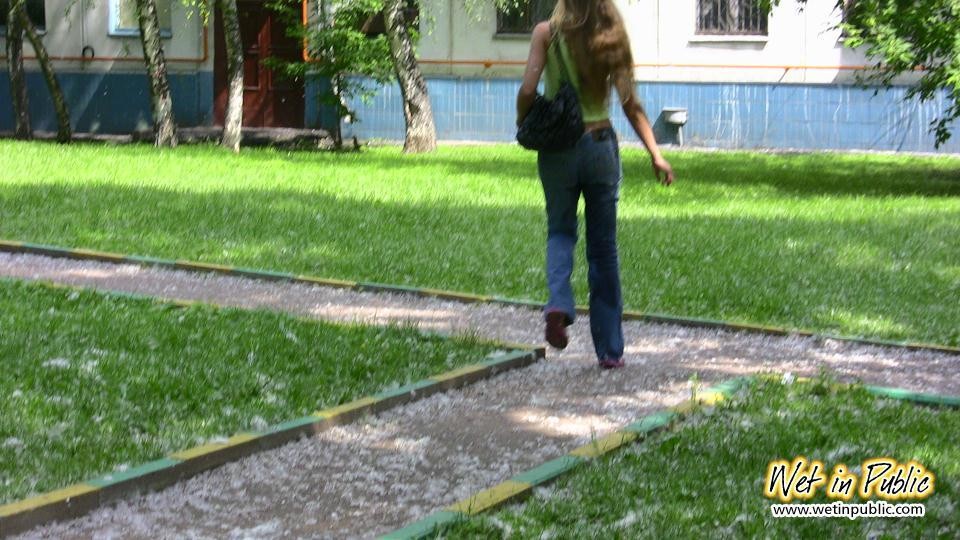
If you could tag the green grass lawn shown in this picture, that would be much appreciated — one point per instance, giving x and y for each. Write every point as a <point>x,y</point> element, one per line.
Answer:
<point>704,478</point>
<point>92,382</point>
<point>852,244</point>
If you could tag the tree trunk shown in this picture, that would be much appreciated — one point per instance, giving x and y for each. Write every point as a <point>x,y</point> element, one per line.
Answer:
<point>233,121</point>
<point>421,133</point>
<point>164,129</point>
<point>336,83</point>
<point>64,132</point>
<point>18,83</point>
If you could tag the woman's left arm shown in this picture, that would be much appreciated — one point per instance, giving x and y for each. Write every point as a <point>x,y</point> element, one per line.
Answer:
<point>536,61</point>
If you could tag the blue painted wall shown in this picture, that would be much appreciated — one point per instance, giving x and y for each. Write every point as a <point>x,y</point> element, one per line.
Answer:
<point>316,113</point>
<point>111,102</point>
<point>725,115</point>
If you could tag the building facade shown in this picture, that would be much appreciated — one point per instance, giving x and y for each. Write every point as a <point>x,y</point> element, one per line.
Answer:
<point>745,79</point>
<point>96,51</point>
<point>95,47</point>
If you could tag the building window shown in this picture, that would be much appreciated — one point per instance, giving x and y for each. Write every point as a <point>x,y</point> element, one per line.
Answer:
<point>35,10</point>
<point>522,17</point>
<point>731,17</point>
<point>124,21</point>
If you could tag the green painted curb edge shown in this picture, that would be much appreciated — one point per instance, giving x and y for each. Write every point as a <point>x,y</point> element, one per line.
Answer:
<point>546,473</point>
<point>79,499</point>
<point>21,516</point>
<point>920,398</point>
<point>175,303</point>
<point>552,470</point>
<point>81,254</point>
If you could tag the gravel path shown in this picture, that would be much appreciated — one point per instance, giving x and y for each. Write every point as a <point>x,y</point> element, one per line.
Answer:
<point>378,474</point>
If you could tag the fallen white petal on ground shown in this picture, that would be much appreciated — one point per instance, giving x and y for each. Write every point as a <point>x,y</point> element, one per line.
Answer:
<point>377,474</point>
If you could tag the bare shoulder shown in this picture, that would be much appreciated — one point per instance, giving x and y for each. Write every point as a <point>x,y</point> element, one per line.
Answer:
<point>541,32</point>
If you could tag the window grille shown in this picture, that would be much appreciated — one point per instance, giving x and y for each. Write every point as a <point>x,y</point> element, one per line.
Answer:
<point>521,18</point>
<point>35,10</point>
<point>731,17</point>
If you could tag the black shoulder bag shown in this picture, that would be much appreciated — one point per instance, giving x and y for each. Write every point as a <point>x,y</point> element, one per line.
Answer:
<point>553,124</point>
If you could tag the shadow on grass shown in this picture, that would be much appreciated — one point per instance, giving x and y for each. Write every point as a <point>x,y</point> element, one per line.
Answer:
<point>884,278</point>
<point>811,175</point>
<point>705,477</point>
<point>799,175</point>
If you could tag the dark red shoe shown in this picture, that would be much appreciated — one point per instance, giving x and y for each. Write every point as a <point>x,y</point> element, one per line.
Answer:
<point>610,363</point>
<point>556,332</point>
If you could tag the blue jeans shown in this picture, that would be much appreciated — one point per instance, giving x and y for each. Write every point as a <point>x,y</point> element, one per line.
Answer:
<point>591,168</point>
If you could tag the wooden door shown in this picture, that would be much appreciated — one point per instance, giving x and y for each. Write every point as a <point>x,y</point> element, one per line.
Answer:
<point>269,100</point>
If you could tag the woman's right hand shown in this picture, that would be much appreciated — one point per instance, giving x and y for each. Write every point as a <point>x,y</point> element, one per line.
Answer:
<point>641,125</point>
<point>663,171</point>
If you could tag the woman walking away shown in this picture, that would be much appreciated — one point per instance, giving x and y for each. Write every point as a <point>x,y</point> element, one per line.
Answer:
<point>587,40</point>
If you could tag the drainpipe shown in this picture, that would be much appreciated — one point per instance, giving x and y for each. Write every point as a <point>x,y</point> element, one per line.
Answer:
<point>83,26</point>
<point>450,4</point>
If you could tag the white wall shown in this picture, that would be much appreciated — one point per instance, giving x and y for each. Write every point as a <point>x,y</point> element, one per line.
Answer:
<point>662,36</point>
<point>86,23</point>
<point>802,46</point>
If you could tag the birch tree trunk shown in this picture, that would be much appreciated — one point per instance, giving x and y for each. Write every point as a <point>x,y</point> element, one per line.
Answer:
<point>337,84</point>
<point>164,129</point>
<point>233,120</point>
<point>18,82</point>
<point>64,132</point>
<point>336,81</point>
<point>421,134</point>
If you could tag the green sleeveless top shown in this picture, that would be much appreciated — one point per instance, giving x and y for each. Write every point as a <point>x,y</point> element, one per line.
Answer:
<point>554,74</point>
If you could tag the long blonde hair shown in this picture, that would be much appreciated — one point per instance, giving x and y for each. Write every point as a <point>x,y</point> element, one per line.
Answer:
<point>598,41</point>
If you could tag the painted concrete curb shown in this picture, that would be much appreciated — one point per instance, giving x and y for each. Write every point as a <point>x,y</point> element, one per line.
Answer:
<point>919,398</point>
<point>523,484</point>
<point>76,500</point>
<point>900,394</point>
<point>101,256</point>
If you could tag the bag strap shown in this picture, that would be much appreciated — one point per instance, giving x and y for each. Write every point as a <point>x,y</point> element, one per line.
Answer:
<point>554,44</point>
